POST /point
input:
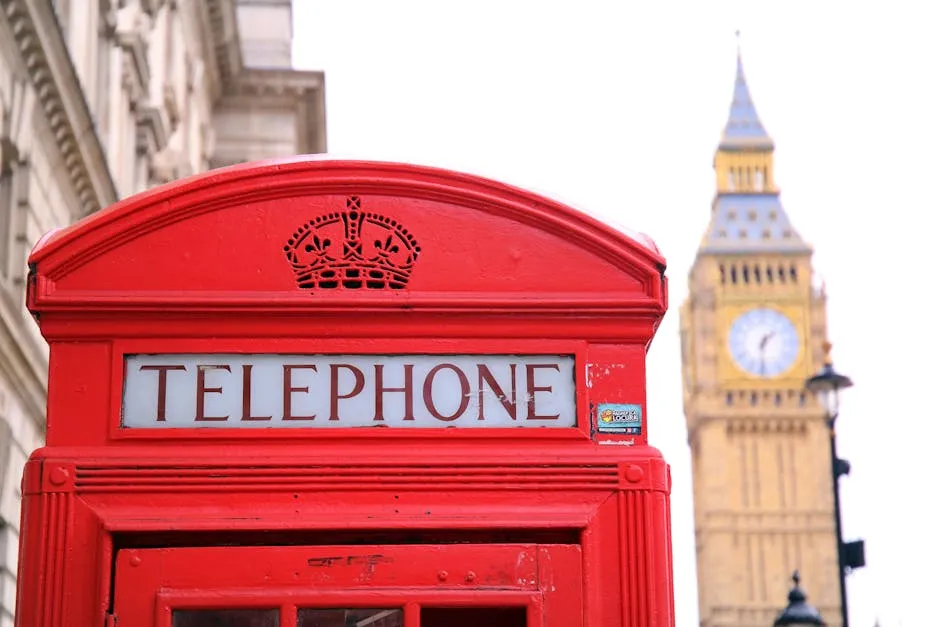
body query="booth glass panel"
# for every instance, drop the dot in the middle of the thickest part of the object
(226, 618)
(350, 618)
(473, 617)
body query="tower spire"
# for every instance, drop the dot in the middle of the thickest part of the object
(743, 128)
(747, 214)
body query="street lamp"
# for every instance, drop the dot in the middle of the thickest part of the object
(798, 611)
(826, 385)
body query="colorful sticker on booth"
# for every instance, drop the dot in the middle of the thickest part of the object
(620, 418)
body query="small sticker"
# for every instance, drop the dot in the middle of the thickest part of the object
(630, 442)
(617, 418)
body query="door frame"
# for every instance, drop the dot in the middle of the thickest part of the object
(152, 583)
(287, 601)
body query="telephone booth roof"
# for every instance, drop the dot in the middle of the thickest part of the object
(229, 239)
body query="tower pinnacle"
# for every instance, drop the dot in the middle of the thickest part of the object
(747, 214)
(743, 129)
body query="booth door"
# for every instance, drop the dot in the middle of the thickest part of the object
(460, 585)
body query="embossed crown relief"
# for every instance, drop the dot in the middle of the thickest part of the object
(352, 249)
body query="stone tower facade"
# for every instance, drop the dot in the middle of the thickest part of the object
(752, 329)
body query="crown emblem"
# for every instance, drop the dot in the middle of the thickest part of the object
(352, 249)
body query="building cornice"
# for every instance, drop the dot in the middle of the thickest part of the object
(303, 89)
(44, 52)
(256, 83)
(295, 88)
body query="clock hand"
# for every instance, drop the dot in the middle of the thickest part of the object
(763, 347)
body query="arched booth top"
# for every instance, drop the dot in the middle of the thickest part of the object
(227, 288)
(320, 235)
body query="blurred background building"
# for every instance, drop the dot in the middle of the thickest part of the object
(100, 99)
(752, 330)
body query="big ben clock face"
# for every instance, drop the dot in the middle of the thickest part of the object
(763, 342)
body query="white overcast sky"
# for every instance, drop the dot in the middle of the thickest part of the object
(617, 107)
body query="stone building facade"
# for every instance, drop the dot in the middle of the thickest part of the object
(100, 99)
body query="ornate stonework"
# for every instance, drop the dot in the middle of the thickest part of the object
(100, 99)
(46, 60)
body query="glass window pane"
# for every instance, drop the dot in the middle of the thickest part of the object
(473, 616)
(226, 618)
(350, 618)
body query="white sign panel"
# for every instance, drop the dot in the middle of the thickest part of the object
(333, 391)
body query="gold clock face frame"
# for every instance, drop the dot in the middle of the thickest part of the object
(763, 342)
(781, 330)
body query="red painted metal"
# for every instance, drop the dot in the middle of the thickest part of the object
(211, 264)
(542, 580)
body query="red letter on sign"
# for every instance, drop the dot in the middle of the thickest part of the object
(380, 391)
(161, 387)
(289, 389)
(485, 374)
(531, 389)
(464, 392)
(202, 390)
(334, 387)
(246, 395)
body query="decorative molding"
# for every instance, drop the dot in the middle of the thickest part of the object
(151, 131)
(44, 53)
(289, 477)
(131, 29)
(273, 83)
(171, 105)
(150, 7)
(223, 29)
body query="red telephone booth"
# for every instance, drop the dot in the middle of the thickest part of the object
(331, 393)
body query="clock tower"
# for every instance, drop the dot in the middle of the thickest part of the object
(752, 330)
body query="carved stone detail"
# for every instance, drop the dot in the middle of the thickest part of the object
(36, 33)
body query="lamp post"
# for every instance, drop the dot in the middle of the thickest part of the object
(798, 611)
(826, 385)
